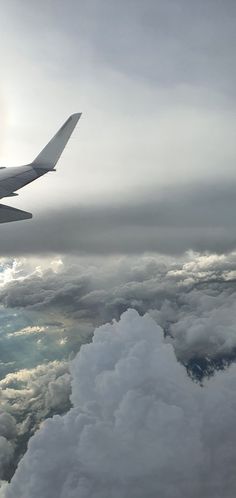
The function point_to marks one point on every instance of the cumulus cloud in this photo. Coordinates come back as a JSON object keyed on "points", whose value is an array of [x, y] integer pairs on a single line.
{"points": [[53, 310], [138, 426], [37, 386], [27, 397], [8, 432], [192, 298], [28, 331]]}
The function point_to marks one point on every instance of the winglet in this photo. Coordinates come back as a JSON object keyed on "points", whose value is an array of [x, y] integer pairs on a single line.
{"points": [[49, 156]]}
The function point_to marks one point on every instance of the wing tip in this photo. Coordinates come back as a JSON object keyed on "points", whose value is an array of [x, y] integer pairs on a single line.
{"points": [[51, 153], [76, 115]]}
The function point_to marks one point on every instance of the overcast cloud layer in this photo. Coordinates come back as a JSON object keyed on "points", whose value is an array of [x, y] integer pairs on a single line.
{"points": [[155, 82], [198, 217]]}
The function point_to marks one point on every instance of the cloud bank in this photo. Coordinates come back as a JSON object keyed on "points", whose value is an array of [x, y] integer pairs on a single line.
{"points": [[48, 312], [138, 426], [192, 298], [199, 217]]}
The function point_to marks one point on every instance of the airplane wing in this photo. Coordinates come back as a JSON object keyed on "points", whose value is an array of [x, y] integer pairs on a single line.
{"points": [[8, 213], [14, 178]]}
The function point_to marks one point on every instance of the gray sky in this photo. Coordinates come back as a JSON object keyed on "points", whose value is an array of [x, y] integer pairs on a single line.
{"points": [[155, 82], [198, 217]]}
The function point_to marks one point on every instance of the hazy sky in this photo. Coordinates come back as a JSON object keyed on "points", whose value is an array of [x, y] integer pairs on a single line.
{"points": [[140, 215], [155, 82]]}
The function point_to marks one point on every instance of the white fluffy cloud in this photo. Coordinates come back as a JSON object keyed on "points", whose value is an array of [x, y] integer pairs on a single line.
{"points": [[8, 432], [27, 397], [138, 426], [192, 298], [51, 305]]}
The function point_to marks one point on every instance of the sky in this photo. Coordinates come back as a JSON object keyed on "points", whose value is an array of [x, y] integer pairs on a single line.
{"points": [[117, 300]]}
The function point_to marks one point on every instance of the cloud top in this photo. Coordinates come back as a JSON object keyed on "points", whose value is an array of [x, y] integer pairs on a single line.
{"points": [[138, 426]]}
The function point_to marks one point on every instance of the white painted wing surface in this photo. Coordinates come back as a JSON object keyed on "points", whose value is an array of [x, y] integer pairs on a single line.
{"points": [[12, 179], [49, 156]]}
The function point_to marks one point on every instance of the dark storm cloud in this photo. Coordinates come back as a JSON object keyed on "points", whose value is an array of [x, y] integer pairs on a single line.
{"points": [[199, 218]]}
